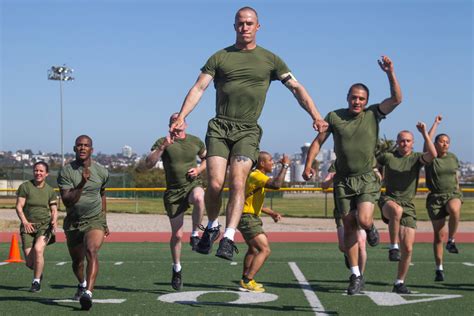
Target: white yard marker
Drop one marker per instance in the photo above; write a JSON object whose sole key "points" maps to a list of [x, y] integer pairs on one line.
{"points": [[104, 301], [4, 263], [469, 264], [118, 263], [233, 263], [61, 263], [311, 297]]}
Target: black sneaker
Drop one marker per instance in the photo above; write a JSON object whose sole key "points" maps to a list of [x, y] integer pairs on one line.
{"points": [[394, 255], [86, 301], [209, 236], [193, 242], [346, 261], [439, 276], [226, 249], [451, 247], [400, 288], [355, 284], [80, 290], [177, 280], [372, 236], [35, 287]]}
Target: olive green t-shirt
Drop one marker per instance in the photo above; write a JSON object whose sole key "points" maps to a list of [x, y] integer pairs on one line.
{"points": [[441, 174], [241, 79], [37, 201], [401, 174], [179, 157], [90, 202], [355, 138]]}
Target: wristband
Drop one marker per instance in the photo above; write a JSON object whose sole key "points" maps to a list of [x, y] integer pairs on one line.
{"points": [[285, 165]]}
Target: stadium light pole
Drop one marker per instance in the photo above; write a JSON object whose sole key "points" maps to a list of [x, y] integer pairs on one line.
{"points": [[61, 73]]}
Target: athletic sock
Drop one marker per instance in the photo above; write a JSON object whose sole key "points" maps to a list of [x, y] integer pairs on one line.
{"points": [[398, 281], [355, 270], [212, 224], [83, 284], [195, 233], [36, 280], [177, 267], [229, 233], [440, 267], [89, 292], [393, 246]]}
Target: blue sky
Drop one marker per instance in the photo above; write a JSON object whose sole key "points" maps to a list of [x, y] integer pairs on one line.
{"points": [[135, 61]]}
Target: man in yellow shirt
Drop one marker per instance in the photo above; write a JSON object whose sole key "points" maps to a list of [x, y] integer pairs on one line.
{"points": [[250, 224]]}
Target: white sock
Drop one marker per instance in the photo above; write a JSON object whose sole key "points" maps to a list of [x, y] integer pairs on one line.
{"points": [[355, 270], [195, 233], [83, 284], [36, 280], [440, 267], [450, 239], [394, 246], [177, 267], [89, 292], [229, 233], [212, 224], [398, 281]]}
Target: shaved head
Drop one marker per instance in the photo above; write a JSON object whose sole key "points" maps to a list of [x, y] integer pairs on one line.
{"points": [[246, 9]]}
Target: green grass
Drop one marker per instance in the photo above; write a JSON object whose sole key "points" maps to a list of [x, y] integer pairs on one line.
{"points": [[311, 206], [145, 275]]}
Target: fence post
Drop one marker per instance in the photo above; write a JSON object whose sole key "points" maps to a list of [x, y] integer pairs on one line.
{"points": [[136, 201]]}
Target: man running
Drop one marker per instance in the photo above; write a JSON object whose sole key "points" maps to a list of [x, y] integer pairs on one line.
{"points": [[183, 188], [242, 74], [356, 186]]}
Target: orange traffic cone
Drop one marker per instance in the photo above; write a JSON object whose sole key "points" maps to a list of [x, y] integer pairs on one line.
{"points": [[14, 251]]}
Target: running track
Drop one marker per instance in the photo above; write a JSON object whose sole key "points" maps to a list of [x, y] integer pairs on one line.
{"points": [[321, 237]]}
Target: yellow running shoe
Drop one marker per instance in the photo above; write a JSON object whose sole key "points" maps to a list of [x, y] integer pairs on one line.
{"points": [[251, 286]]}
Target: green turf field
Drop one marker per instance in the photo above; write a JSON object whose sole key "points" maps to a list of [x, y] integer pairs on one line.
{"points": [[137, 276]]}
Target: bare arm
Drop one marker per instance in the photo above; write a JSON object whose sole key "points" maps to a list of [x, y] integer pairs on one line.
{"points": [[155, 155], [388, 105], [20, 204], [432, 131], [104, 209], [328, 180], [54, 215], [430, 151], [312, 153], [191, 100], [194, 172], [71, 196], [274, 215], [277, 182], [305, 101]]}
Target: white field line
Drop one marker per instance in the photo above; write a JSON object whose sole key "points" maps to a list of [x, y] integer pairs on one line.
{"points": [[313, 300]]}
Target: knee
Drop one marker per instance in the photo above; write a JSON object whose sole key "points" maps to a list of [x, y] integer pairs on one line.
{"points": [[266, 251], [438, 236], [92, 252], [177, 236], [365, 223], [397, 213], [198, 199]]}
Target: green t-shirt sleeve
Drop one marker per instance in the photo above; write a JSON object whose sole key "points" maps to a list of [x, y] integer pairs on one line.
{"points": [[52, 197], [64, 180], [382, 159], [106, 179], [158, 143], [202, 148], [211, 65], [328, 119], [21, 192], [279, 69], [375, 108]]}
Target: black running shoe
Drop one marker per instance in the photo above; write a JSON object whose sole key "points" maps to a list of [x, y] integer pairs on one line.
{"points": [[209, 236], [372, 236], [86, 301], [226, 249], [400, 288], [346, 261], [355, 284], [35, 287], [439, 276], [451, 247], [394, 255], [193, 242], [177, 280], [80, 290]]}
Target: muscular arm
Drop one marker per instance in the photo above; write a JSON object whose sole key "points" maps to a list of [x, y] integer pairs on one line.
{"points": [[275, 215], [312, 153], [71, 196], [20, 204], [277, 182], [153, 157], [191, 100], [389, 104], [194, 172], [432, 131], [430, 149], [305, 101], [54, 215]]}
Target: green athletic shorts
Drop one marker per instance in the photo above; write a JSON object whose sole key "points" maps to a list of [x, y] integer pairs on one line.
{"points": [[436, 203], [76, 229], [250, 226], [226, 138], [350, 191], [177, 200], [408, 216], [42, 229]]}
